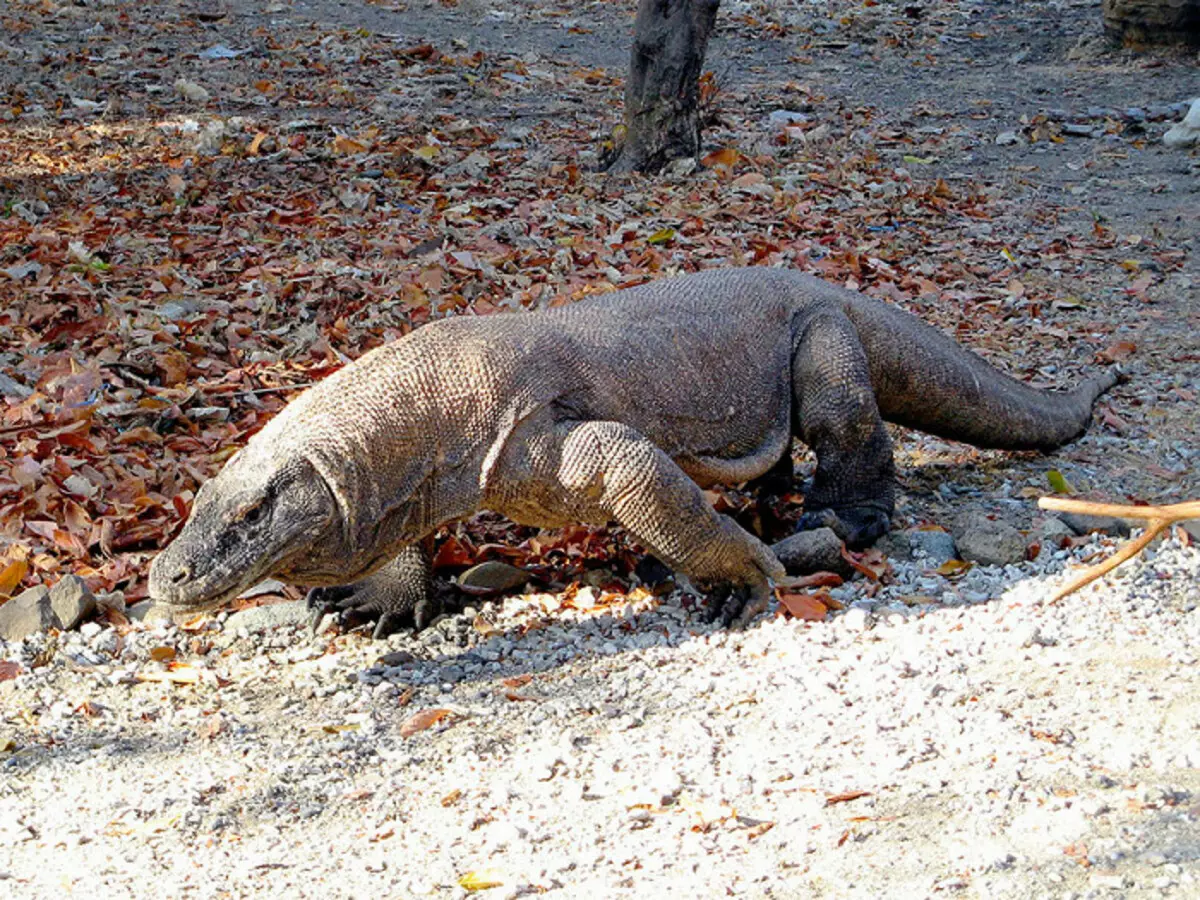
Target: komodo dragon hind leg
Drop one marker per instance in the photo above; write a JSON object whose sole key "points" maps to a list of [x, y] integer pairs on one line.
{"points": [[854, 488], [396, 596], [600, 472]]}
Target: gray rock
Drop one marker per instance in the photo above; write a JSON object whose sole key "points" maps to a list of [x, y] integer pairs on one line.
{"points": [[72, 601], [812, 551], [137, 612], [396, 658], [27, 613], [1077, 130], [1006, 138], [782, 118], [260, 618], [1186, 133], [1103, 524], [895, 544], [492, 577], [990, 542], [9, 387], [1053, 530], [938, 546]]}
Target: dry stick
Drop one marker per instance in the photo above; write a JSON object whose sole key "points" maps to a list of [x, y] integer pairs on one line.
{"points": [[1157, 518]]}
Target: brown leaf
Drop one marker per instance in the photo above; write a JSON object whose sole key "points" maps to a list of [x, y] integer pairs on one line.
{"points": [[11, 575], [809, 607], [726, 157], [815, 579], [953, 568], [453, 552], [846, 797], [9, 669], [1117, 352], [417, 722], [871, 562]]}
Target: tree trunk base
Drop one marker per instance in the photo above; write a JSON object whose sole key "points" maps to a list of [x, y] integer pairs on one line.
{"points": [[1144, 23], [662, 96]]}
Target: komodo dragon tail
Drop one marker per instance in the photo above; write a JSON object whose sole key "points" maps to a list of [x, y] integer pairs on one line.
{"points": [[924, 380]]}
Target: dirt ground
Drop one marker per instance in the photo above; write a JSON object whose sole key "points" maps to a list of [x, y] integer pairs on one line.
{"points": [[205, 205]]}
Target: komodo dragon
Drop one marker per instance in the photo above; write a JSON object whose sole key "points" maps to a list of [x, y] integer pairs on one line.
{"points": [[617, 408]]}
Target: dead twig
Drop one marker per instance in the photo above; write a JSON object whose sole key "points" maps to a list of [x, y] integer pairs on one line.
{"points": [[1157, 519]]}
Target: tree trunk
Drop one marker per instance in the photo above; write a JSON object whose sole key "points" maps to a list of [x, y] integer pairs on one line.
{"points": [[662, 96], [1136, 23]]}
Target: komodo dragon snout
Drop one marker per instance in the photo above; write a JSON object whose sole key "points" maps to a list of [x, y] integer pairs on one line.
{"points": [[251, 521]]}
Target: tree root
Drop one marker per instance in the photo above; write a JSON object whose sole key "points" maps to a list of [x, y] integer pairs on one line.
{"points": [[1157, 518]]}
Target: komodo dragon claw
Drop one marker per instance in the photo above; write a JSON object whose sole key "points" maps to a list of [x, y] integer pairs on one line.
{"points": [[735, 606]]}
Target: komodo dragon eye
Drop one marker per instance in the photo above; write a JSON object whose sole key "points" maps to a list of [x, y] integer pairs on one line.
{"points": [[251, 514]]}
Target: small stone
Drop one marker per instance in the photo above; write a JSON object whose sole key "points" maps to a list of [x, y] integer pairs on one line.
{"points": [[72, 601], [1112, 881], [191, 91], [1054, 530], [492, 577], [1109, 525], [138, 612], [990, 542], [938, 546], [261, 618], [396, 658], [1077, 130], [1007, 138], [782, 118], [856, 619], [27, 613]]}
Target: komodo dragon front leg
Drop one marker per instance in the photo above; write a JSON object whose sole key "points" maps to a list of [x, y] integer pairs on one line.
{"points": [[600, 472], [397, 595], [854, 488]]}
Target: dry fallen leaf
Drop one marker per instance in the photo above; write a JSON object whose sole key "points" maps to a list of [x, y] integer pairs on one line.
{"points": [[9, 669], [846, 797], [809, 607], [11, 575], [953, 568], [422, 720], [481, 880]]}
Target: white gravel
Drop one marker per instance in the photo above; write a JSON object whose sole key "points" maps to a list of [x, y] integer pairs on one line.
{"points": [[1002, 748]]}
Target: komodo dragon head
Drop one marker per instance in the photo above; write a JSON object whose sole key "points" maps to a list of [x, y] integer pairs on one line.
{"points": [[262, 515]]}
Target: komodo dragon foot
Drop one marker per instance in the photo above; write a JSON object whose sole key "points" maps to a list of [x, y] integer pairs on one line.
{"points": [[735, 605], [400, 595]]}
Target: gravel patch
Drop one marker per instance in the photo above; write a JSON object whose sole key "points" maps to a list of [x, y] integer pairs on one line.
{"points": [[935, 736]]}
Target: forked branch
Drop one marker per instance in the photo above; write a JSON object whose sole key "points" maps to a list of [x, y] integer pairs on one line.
{"points": [[1157, 518]]}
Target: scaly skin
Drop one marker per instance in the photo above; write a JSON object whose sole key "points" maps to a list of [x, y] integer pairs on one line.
{"points": [[619, 408]]}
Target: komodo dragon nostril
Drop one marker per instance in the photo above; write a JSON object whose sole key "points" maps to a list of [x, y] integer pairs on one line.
{"points": [[181, 575]]}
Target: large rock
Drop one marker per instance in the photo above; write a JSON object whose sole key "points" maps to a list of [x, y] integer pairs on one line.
{"points": [[1186, 133], [27, 613], [991, 542], [72, 601], [1137, 23]]}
